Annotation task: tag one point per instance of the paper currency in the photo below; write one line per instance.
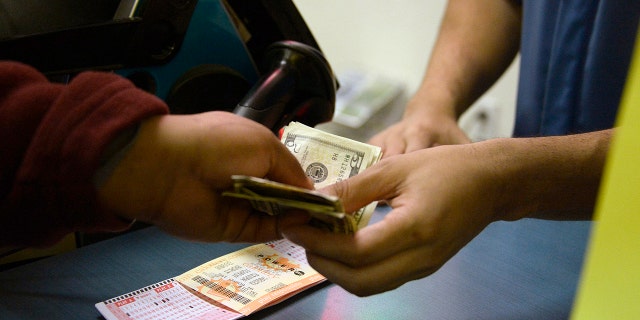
(279, 196)
(327, 159)
(274, 198)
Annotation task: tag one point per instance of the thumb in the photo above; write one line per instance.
(362, 189)
(287, 169)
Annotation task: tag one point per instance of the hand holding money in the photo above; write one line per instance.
(326, 159)
(242, 282)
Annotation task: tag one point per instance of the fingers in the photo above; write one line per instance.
(401, 140)
(282, 166)
(416, 144)
(236, 221)
(393, 148)
(458, 137)
(390, 142)
(379, 277)
(412, 134)
(374, 243)
(285, 168)
(291, 219)
(241, 146)
(374, 260)
(370, 185)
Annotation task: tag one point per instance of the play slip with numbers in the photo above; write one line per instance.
(229, 287)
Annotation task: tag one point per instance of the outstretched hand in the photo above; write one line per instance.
(419, 130)
(178, 165)
(441, 199)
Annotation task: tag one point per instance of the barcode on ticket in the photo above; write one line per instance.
(222, 290)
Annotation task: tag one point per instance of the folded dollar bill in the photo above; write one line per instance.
(274, 198)
(280, 196)
(326, 159)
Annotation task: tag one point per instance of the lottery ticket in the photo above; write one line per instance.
(166, 299)
(255, 277)
(226, 288)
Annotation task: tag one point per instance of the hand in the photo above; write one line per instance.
(441, 198)
(417, 130)
(178, 165)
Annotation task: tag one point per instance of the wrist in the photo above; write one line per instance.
(511, 178)
(431, 103)
(113, 153)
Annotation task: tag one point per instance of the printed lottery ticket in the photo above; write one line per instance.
(255, 277)
(167, 299)
(225, 288)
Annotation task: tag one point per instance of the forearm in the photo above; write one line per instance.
(55, 137)
(477, 41)
(549, 177)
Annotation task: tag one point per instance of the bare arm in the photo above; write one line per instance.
(175, 171)
(443, 197)
(477, 41)
(550, 177)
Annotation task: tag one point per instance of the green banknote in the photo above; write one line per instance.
(326, 159)
(274, 198)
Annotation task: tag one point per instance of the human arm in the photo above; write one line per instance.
(443, 197)
(477, 41)
(175, 171)
(55, 140)
(53, 137)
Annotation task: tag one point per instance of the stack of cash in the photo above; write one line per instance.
(326, 159)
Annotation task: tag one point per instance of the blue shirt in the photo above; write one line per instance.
(575, 55)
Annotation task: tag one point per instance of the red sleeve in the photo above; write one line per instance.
(51, 139)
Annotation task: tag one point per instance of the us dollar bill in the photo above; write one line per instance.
(326, 159)
(274, 198)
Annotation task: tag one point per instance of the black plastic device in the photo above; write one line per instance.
(299, 85)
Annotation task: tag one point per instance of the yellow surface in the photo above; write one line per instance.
(610, 285)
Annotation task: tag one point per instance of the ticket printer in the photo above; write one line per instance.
(256, 58)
